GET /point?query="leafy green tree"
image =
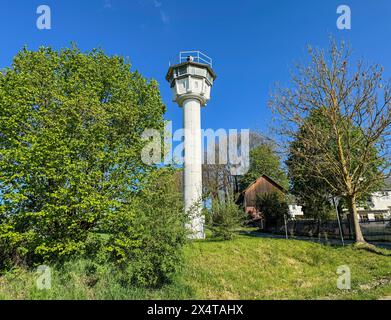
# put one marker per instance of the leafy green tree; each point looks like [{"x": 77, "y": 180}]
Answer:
[
  {"x": 264, "y": 160},
  {"x": 225, "y": 217},
  {"x": 309, "y": 191},
  {"x": 70, "y": 145},
  {"x": 273, "y": 206}
]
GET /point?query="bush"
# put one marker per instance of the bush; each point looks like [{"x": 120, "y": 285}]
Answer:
[
  {"x": 224, "y": 218},
  {"x": 273, "y": 207},
  {"x": 15, "y": 247},
  {"x": 149, "y": 233}
]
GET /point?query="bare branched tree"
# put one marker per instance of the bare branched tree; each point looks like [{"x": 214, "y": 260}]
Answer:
[
  {"x": 341, "y": 115},
  {"x": 218, "y": 179}
]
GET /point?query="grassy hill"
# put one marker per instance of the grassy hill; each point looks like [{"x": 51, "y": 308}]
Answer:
[
  {"x": 245, "y": 268},
  {"x": 255, "y": 268}
]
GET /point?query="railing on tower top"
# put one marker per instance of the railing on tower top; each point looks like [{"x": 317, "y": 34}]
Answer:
[{"x": 197, "y": 56}]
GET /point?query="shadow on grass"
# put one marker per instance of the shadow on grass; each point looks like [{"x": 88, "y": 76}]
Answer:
[
  {"x": 372, "y": 249},
  {"x": 259, "y": 234},
  {"x": 211, "y": 240},
  {"x": 375, "y": 248}
]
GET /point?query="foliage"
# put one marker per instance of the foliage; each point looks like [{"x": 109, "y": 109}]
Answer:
[
  {"x": 225, "y": 217},
  {"x": 345, "y": 145},
  {"x": 309, "y": 191},
  {"x": 149, "y": 232},
  {"x": 84, "y": 279},
  {"x": 264, "y": 160},
  {"x": 273, "y": 206},
  {"x": 221, "y": 177},
  {"x": 244, "y": 268},
  {"x": 71, "y": 128}
]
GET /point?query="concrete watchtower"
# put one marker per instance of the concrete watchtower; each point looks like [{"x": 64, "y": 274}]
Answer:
[{"x": 191, "y": 81}]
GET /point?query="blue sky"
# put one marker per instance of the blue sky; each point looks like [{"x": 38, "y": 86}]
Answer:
[{"x": 253, "y": 42}]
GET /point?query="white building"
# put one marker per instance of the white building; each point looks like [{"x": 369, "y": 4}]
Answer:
[
  {"x": 378, "y": 206},
  {"x": 295, "y": 211}
]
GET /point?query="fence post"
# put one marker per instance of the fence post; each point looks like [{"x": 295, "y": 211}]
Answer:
[
  {"x": 339, "y": 221},
  {"x": 286, "y": 228}
]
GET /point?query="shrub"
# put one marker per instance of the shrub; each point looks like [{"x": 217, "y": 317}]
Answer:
[
  {"x": 149, "y": 233},
  {"x": 273, "y": 207},
  {"x": 224, "y": 218},
  {"x": 15, "y": 247}
]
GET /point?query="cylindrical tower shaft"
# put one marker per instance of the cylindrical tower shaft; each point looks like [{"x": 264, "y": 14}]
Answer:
[
  {"x": 191, "y": 82},
  {"x": 192, "y": 174}
]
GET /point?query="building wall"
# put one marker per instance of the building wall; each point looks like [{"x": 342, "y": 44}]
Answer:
[
  {"x": 265, "y": 185},
  {"x": 381, "y": 200},
  {"x": 262, "y": 185},
  {"x": 379, "y": 206}
]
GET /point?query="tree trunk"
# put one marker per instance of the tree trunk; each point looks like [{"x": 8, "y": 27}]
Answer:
[{"x": 354, "y": 217}]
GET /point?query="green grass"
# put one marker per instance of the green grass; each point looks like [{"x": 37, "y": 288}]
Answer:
[
  {"x": 245, "y": 268},
  {"x": 259, "y": 268}
]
